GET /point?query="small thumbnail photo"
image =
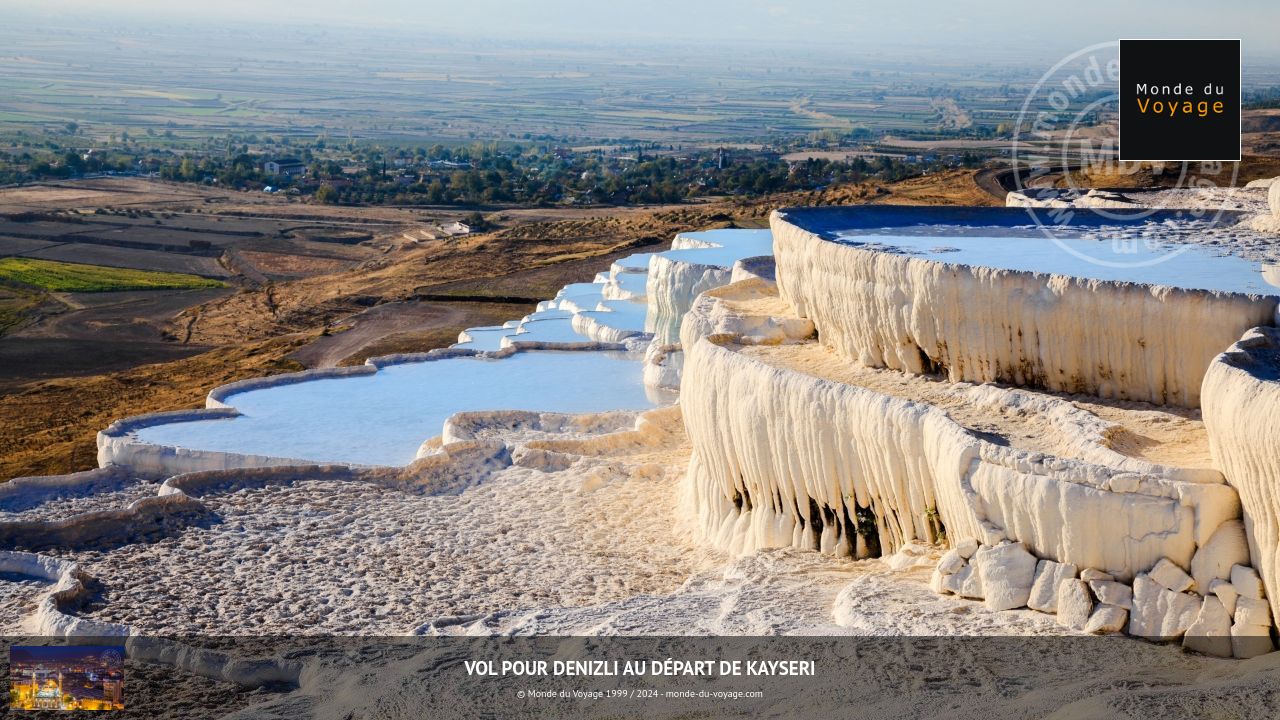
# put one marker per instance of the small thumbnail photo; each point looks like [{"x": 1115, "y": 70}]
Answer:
[{"x": 79, "y": 677}]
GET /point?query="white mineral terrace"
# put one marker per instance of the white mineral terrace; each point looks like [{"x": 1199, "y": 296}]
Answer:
[
  {"x": 382, "y": 418},
  {"x": 963, "y": 302},
  {"x": 922, "y": 421},
  {"x": 698, "y": 261},
  {"x": 383, "y": 413}
]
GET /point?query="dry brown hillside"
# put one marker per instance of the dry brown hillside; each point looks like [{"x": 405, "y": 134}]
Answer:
[
  {"x": 433, "y": 269},
  {"x": 49, "y": 427}
]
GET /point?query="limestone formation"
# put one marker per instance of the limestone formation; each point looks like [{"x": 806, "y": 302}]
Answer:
[
  {"x": 954, "y": 583},
  {"x": 920, "y": 315},
  {"x": 1226, "y": 547},
  {"x": 768, "y": 443},
  {"x": 805, "y": 458},
  {"x": 1007, "y": 572},
  {"x": 937, "y": 582},
  {"x": 830, "y": 463},
  {"x": 1095, "y": 575},
  {"x": 1159, "y": 613},
  {"x": 1107, "y": 619},
  {"x": 1245, "y": 581},
  {"x": 951, "y": 562},
  {"x": 781, "y": 457},
  {"x": 1110, "y": 592},
  {"x": 69, "y": 588},
  {"x": 967, "y": 548},
  {"x": 1241, "y": 394},
  {"x": 1252, "y": 611},
  {"x": 1211, "y": 632},
  {"x": 1226, "y": 593},
  {"x": 971, "y": 583},
  {"x": 1248, "y": 641},
  {"x": 675, "y": 280},
  {"x": 1075, "y": 604},
  {"x": 741, "y": 311},
  {"x": 1170, "y": 576},
  {"x": 1044, "y": 589}
]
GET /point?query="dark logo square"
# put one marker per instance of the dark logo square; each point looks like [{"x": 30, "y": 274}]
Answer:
[{"x": 1180, "y": 100}]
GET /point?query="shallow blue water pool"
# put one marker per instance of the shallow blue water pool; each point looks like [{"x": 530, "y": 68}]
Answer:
[{"x": 382, "y": 419}]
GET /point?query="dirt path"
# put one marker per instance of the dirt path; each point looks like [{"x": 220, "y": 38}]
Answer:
[
  {"x": 374, "y": 324},
  {"x": 993, "y": 180}
]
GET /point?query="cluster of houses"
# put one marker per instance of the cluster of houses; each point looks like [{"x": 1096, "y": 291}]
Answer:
[{"x": 407, "y": 171}]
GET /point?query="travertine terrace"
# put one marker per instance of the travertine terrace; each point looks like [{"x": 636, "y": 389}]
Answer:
[
  {"x": 867, "y": 435},
  {"x": 857, "y": 422}
]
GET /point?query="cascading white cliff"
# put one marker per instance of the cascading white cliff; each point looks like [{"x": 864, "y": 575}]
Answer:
[
  {"x": 799, "y": 440},
  {"x": 1242, "y": 415},
  {"x": 1131, "y": 338}
]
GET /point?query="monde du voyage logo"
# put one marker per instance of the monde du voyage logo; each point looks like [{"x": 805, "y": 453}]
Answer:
[{"x": 1180, "y": 100}]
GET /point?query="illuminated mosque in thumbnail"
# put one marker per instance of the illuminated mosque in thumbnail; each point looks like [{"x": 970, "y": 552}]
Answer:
[{"x": 88, "y": 682}]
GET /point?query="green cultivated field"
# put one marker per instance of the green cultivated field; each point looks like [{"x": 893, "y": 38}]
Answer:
[{"x": 73, "y": 277}]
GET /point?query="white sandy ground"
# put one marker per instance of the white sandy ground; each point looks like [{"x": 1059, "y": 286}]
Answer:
[
  {"x": 784, "y": 592},
  {"x": 19, "y": 595},
  {"x": 65, "y": 504},
  {"x": 327, "y": 556},
  {"x": 929, "y": 674}
]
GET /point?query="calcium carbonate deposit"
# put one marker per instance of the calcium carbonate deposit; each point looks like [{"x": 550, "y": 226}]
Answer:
[
  {"x": 1121, "y": 339},
  {"x": 890, "y": 421},
  {"x": 382, "y": 418}
]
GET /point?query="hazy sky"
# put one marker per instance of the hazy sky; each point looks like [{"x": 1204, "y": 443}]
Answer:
[{"x": 1050, "y": 26}]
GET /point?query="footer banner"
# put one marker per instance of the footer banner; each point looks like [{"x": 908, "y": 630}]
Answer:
[{"x": 624, "y": 677}]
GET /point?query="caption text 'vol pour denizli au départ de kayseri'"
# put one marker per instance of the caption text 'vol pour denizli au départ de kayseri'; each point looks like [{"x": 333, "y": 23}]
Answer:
[{"x": 667, "y": 667}]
